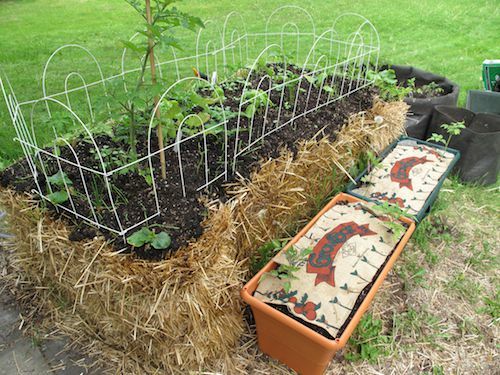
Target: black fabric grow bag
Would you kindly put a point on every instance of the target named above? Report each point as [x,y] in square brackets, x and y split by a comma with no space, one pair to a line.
[479,142]
[421,108]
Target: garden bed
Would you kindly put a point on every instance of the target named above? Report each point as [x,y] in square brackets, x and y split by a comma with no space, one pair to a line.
[184,312]
[182,215]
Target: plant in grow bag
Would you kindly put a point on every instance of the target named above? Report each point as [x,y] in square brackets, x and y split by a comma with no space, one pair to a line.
[146,236]
[453,129]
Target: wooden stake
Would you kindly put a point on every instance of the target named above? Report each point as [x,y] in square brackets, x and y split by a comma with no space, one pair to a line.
[159,131]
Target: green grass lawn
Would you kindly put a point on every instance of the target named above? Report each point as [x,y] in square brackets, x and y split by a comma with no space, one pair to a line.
[439,311]
[449,37]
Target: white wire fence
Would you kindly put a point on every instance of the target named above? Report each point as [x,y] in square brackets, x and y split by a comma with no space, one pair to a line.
[295,72]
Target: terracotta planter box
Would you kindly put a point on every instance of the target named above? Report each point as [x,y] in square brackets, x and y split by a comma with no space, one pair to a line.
[291,342]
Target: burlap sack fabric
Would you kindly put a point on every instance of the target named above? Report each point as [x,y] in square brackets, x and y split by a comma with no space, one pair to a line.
[349,244]
[407,176]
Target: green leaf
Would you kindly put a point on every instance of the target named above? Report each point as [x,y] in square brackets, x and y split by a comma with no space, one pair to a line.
[141,237]
[58,197]
[59,179]
[198,120]
[161,241]
[133,47]
[250,111]
[287,286]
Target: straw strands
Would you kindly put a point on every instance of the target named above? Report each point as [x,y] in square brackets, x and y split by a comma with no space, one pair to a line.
[183,313]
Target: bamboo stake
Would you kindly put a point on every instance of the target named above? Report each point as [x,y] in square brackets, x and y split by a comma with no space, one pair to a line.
[159,131]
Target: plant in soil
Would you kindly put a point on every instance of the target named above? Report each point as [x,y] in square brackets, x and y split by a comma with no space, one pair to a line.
[147,237]
[295,260]
[265,253]
[392,213]
[63,184]
[387,83]
[160,22]
[453,129]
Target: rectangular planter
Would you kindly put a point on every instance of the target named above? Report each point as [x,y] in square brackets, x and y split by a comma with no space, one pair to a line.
[424,211]
[291,342]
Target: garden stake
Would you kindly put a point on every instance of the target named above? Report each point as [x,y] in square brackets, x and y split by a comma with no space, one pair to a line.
[159,131]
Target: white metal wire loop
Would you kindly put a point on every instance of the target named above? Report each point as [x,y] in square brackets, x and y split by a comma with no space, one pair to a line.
[333,64]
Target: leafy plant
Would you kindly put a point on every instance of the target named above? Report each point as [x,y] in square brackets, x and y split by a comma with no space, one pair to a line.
[368,340]
[62,182]
[265,254]
[146,236]
[295,260]
[160,21]
[431,89]
[393,213]
[453,129]
[258,100]
[387,83]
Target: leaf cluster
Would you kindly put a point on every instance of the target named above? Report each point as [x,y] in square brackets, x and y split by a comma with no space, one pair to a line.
[146,236]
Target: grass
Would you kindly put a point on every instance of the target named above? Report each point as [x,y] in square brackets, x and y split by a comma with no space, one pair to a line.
[445,291]
[31,30]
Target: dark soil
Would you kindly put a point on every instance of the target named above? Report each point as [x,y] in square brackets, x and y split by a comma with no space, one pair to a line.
[180,217]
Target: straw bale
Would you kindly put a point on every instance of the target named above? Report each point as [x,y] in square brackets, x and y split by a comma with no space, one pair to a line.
[183,313]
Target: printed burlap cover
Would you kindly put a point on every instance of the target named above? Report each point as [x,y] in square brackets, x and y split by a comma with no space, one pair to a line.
[349,245]
[407,176]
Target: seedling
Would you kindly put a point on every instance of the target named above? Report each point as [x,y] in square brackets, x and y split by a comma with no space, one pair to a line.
[453,129]
[63,182]
[258,99]
[265,254]
[286,272]
[393,213]
[145,236]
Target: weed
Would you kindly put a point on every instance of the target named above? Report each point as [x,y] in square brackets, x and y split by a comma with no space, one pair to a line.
[368,340]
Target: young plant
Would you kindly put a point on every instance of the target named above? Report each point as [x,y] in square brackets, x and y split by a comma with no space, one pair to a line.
[295,260]
[145,236]
[265,253]
[258,101]
[160,21]
[393,213]
[387,83]
[63,183]
[453,129]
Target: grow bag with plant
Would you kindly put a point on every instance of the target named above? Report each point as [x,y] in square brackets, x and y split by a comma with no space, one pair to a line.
[478,142]
[310,297]
[425,90]
[408,174]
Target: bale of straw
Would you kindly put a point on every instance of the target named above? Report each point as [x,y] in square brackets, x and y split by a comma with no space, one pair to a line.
[290,189]
[183,313]
[170,315]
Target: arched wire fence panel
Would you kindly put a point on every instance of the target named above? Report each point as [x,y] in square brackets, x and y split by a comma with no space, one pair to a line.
[283,73]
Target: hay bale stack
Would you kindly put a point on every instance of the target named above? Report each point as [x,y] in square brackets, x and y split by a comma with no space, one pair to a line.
[183,313]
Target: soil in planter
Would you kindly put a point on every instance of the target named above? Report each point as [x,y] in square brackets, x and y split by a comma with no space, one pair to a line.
[180,217]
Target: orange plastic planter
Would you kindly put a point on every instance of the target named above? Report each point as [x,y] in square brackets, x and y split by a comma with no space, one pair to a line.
[292,343]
